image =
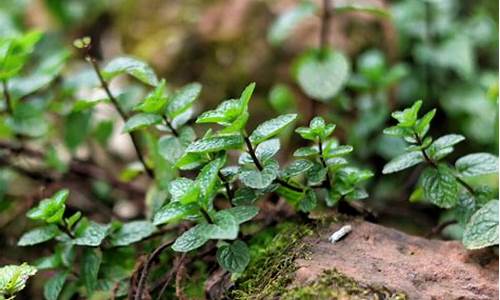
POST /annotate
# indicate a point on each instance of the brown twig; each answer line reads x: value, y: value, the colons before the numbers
x: 179, y: 292
x: 170, y: 274
x: 439, y: 228
x: 133, y: 136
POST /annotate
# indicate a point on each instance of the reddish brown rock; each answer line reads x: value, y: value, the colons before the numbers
x: 423, y: 269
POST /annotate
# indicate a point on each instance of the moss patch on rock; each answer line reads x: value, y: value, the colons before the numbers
x: 335, y: 285
x: 272, y: 270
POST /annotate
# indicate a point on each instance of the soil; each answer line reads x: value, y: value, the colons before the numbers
x: 377, y: 256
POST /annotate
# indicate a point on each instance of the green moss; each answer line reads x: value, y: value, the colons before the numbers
x: 272, y: 266
x: 335, y: 285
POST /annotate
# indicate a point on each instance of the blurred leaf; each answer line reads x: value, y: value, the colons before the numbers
x: 215, y: 144
x: 13, y: 278
x: 132, y: 66
x: 54, y: 286
x: 286, y: 22
x: 38, y: 235
x: 91, y: 262
x: 132, y: 232
x: 141, y: 120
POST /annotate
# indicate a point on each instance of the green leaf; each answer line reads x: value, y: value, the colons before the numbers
x: 183, y: 99
x: 482, y: 229
x: 174, y: 211
x: 184, y: 190
x: 54, y: 286
x: 132, y: 66
x: 50, y: 210
x: 408, y: 117
x: 91, y: 262
x: 306, y: 152
x: 423, y: 124
x: 234, y: 257
x: 208, y: 180
x: 477, y: 164
x: 267, y: 149
x: 440, y: 186
x: 132, y: 232
x: 90, y: 233
x: 337, y: 151
x: 444, y: 145
x: 225, y: 227
x: 155, y: 101
x: 141, y: 120
x: 191, y: 239
x: 322, y: 73
x: 215, y: 144
x: 244, y: 196
x: 271, y: 128
x: 38, y: 235
x: 260, y: 179
x: 316, y: 174
x: 287, y: 21
x: 226, y: 113
x: 246, y: 95
x: 76, y: 129
x: 15, y: 52
x: 297, y: 167
x: 362, y: 7
x: 282, y: 99
x: 243, y: 213
x: 28, y: 120
x: 403, y: 161
x: 170, y: 148
x: 13, y: 278
x: 309, y: 201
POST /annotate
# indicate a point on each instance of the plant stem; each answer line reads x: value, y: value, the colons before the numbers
x: 435, y: 166
x: 133, y: 136
x: 8, y: 99
x: 205, y: 215
x: 325, y: 23
x: 323, y: 162
x: 170, y: 126
x: 229, y: 191
x: 257, y: 163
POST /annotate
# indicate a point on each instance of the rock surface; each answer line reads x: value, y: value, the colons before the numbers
x: 423, y: 269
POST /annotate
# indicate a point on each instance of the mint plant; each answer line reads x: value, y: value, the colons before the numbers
x: 474, y: 207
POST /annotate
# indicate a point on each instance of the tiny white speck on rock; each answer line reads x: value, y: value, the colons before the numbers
x: 339, y: 234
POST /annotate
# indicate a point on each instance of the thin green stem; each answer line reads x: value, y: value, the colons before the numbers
x: 8, y: 100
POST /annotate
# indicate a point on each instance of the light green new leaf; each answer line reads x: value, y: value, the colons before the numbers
x: 50, y: 210
x: 440, y: 186
x: 215, y: 144
x: 191, y: 239
x: 132, y: 66
x: 132, y: 232
x: 13, y: 278
x: 174, y: 211
x: 226, y: 113
x: 408, y: 117
x: 403, y: 161
x: 271, y: 128
x: 477, y: 164
x: 234, y: 257
x: 154, y: 101
x: 287, y: 21
x: 183, y: 99
x: 54, y: 286
x: 208, y: 179
x: 91, y: 262
x: 482, y: 229
x: 38, y: 235
x: 141, y: 120
x: 322, y: 73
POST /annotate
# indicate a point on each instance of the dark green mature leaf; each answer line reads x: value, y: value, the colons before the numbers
x: 286, y: 22
x: 208, y: 180
x: 309, y: 201
x: 482, y: 229
x: 477, y: 164
x: 191, y: 239
x: 50, y: 210
x: 132, y: 66
x: 183, y: 99
x: 297, y: 167
x: 215, y: 144
x: 76, y: 129
x: 444, y: 145
x: 234, y: 257
x: 174, y: 211
x: 141, y: 120
x: 90, y: 233
x: 243, y: 213
x: 13, y: 278
x: 271, y: 128
x: 132, y: 232
x: 91, y: 262
x: 54, y: 286
x: 170, y: 148
x: 403, y: 161
x: 322, y: 73
x: 260, y: 179
x: 440, y: 186
x: 38, y: 235
x: 244, y: 196
x: 225, y: 227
